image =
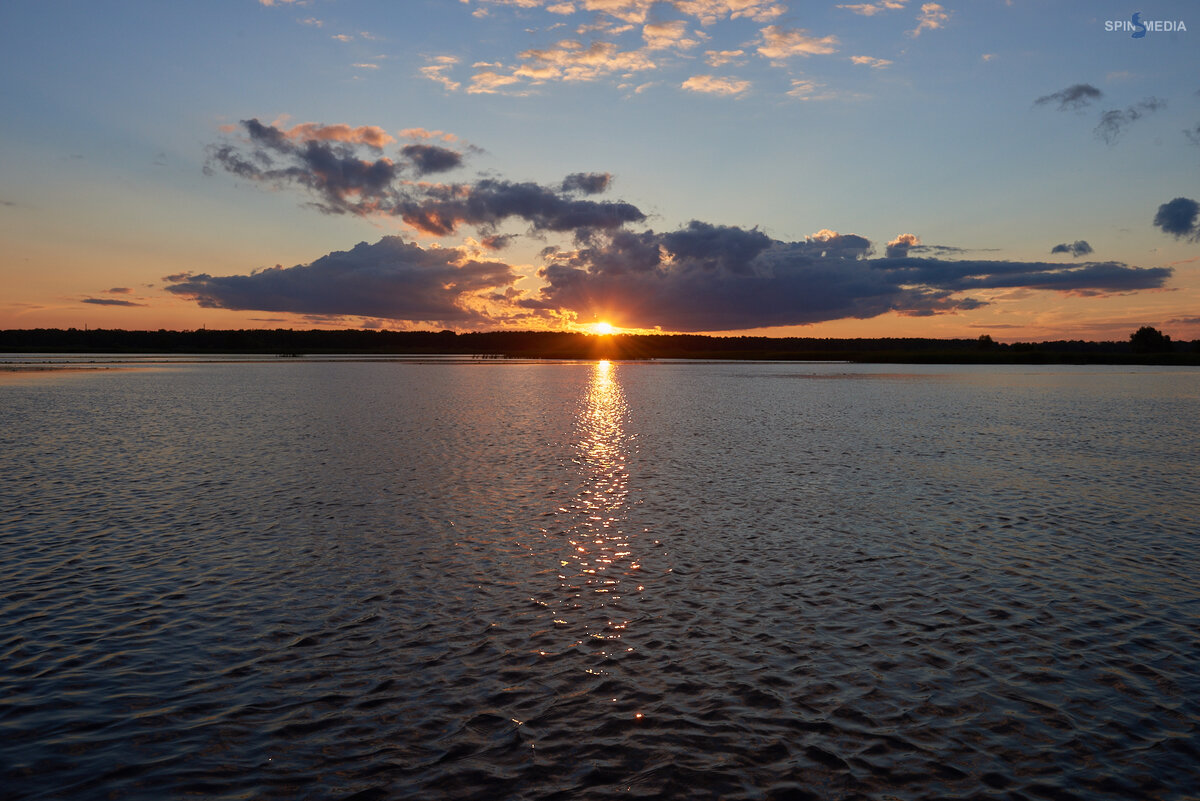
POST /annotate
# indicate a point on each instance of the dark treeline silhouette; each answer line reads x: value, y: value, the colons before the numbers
x: 1146, y: 346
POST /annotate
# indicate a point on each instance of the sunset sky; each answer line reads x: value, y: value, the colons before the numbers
x: 1023, y: 169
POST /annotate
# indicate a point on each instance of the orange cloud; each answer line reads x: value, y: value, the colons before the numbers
x: 932, y: 17
x: 707, y: 84
x: 371, y: 135
x: 712, y: 11
x: 871, y: 9
x: 422, y: 133
x: 719, y: 58
x: 437, y: 72
x: 664, y: 35
x: 780, y: 43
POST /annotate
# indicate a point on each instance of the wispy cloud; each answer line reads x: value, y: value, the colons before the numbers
x: 708, y: 84
x: 1113, y: 123
x: 932, y: 17
x: 666, y: 35
x: 871, y: 9
x: 805, y: 89
x: 778, y: 43
x: 436, y: 71
x: 719, y: 58
x: 870, y: 61
x: 110, y: 302
x: 710, y: 12
x: 1073, y: 97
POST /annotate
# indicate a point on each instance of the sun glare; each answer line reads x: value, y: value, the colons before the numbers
x: 603, y: 328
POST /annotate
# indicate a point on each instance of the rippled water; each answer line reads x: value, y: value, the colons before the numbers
x: 586, y: 581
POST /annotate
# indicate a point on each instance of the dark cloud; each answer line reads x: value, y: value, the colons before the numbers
x: 440, y: 210
x: 431, y: 158
x: 118, y: 290
x: 1113, y: 123
x: 1078, y: 248
x: 344, y: 183
x: 589, y: 183
x: 723, y: 278
x: 1073, y: 97
x: 390, y: 279
x: 111, y: 302
x: 1193, y: 135
x: 1179, y: 218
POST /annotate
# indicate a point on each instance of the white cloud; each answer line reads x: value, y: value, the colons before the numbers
x: 869, y: 61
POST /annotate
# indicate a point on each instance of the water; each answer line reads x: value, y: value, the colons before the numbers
x: 444, y: 579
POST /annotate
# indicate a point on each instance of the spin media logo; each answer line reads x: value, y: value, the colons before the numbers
x: 1139, y: 27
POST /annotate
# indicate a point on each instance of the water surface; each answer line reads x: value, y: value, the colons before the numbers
x: 456, y: 579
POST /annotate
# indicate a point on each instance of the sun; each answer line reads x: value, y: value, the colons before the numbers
x: 603, y: 328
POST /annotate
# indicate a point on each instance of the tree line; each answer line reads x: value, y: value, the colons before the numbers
x: 1146, y: 345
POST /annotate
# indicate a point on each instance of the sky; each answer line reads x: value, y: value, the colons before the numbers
x: 1020, y: 169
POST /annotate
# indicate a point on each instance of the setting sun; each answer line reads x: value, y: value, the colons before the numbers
x: 603, y: 328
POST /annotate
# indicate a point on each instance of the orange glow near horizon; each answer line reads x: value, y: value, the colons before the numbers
x: 603, y: 328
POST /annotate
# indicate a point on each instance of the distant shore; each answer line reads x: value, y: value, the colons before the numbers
x: 568, y: 345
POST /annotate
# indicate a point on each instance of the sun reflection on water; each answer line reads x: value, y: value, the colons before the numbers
x: 598, y: 566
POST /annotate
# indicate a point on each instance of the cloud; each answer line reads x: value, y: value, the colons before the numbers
x: 1077, y: 248
x: 805, y: 89
x: 118, y: 290
x: 708, y: 84
x: 110, y: 302
x: 779, y: 43
x: 391, y: 279
x: 871, y: 9
x: 371, y: 135
x: 343, y: 183
x: 284, y: 2
x: 902, y: 244
x: 710, y: 12
x: 421, y: 133
x: 719, y: 58
x: 1193, y: 135
x: 723, y: 278
x: 875, y: 63
x: 1073, y: 97
x: 1113, y: 123
x: 1179, y: 218
x: 932, y: 17
x: 633, y: 11
x: 431, y: 158
x: 665, y: 35
x: 589, y: 183
x: 436, y: 72
x: 571, y: 61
